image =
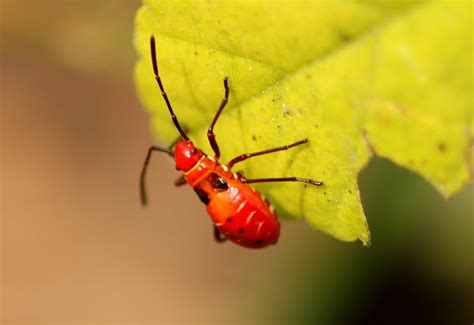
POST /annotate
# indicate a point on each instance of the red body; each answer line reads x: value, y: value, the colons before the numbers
x: 240, y: 213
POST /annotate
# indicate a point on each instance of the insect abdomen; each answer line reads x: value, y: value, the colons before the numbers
x: 244, y: 217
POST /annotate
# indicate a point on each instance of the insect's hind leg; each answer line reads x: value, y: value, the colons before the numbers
x: 218, y: 235
x: 281, y: 179
x: 210, y: 132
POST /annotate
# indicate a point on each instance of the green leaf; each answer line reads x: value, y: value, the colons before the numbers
x: 354, y: 77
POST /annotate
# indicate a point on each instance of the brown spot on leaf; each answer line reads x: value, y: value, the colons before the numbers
x: 442, y: 147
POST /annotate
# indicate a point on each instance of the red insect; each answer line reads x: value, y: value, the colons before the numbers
x: 238, y: 212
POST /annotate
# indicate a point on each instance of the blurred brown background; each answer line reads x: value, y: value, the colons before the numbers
x: 77, y: 247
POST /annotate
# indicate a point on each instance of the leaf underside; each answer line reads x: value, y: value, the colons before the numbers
x: 356, y: 78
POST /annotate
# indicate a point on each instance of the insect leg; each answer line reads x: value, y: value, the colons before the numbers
x: 180, y: 181
x: 246, y: 156
x: 210, y: 132
x: 218, y: 235
x: 281, y: 179
x: 143, y: 195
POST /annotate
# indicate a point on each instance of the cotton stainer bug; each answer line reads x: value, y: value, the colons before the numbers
x: 238, y: 212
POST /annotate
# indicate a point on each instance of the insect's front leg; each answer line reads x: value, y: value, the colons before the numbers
x: 180, y: 181
x: 152, y: 149
x: 210, y: 132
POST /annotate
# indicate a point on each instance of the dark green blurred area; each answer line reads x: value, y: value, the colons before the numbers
x: 76, y: 246
x: 417, y: 271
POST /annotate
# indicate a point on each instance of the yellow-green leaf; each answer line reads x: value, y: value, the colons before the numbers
x: 354, y: 77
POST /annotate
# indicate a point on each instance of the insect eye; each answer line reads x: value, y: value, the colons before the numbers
x: 218, y: 182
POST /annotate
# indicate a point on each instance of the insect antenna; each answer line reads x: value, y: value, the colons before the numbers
x: 163, y: 93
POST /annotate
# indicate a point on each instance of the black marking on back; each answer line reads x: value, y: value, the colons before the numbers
x: 218, y: 182
x: 202, y: 195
